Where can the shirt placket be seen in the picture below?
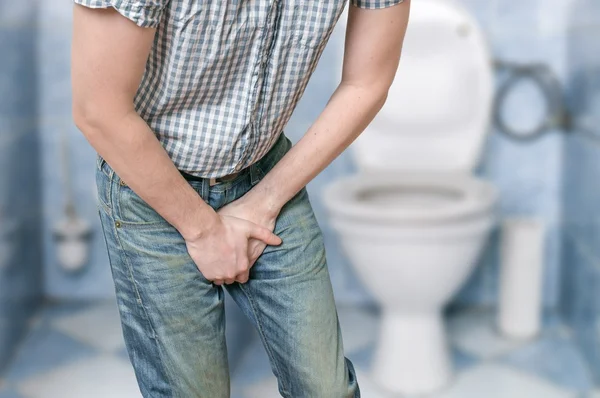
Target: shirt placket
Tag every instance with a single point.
(252, 138)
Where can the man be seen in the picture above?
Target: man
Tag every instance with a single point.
(185, 102)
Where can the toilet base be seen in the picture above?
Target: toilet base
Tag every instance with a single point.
(412, 356)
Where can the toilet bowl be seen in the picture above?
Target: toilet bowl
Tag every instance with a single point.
(414, 219)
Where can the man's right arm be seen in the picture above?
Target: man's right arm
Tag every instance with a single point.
(109, 54)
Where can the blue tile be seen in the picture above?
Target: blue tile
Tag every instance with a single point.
(18, 13)
(253, 367)
(17, 72)
(58, 15)
(363, 358)
(556, 360)
(581, 194)
(44, 349)
(581, 298)
(54, 72)
(239, 332)
(123, 353)
(11, 333)
(585, 13)
(96, 281)
(58, 309)
(571, 268)
(462, 360)
(10, 393)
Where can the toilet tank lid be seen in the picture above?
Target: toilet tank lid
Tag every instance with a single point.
(438, 109)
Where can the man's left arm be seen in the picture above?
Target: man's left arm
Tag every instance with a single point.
(372, 52)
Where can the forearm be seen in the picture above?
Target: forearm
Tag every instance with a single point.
(133, 151)
(348, 112)
(372, 52)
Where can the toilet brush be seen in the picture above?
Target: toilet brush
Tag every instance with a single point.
(72, 234)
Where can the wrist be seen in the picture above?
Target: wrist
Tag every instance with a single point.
(199, 223)
(265, 204)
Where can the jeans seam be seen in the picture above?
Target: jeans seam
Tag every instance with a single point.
(141, 303)
(264, 339)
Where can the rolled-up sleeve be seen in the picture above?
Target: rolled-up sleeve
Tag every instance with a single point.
(145, 13)
(375, 4)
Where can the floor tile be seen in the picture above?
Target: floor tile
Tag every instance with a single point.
(44, 349)
(100, 377)
(254, 366)
(81, 346)
(266, 388)
(363, 358)
(98, 326)
(475, 333)
(497, 381)
(360, 328)
(368, 388)
(462, 360)
(556, 360)
(55, 310)
(123, 354)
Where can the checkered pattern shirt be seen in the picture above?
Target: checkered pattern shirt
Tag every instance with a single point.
(224, 76)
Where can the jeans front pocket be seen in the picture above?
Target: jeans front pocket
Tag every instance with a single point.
(132, 211)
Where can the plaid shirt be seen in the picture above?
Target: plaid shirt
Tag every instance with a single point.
(224, 76)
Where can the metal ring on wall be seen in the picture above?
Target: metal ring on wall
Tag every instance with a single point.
(551, 89)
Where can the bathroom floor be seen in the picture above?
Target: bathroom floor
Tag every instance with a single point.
(76, 351)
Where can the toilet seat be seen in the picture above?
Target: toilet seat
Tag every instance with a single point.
(419, 198)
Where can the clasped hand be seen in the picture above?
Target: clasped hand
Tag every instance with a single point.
(240, 234)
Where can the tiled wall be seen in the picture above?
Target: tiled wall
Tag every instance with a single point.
(20, 257)
(581, 214)
(56, 123)
(528, 175)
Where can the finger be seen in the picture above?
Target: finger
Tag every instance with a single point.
(218, 282)
(243, 277)
(255, 250)
(229, 281)
(264, 235)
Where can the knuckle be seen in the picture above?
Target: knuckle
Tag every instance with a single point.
(230, 276)
(209, 277)
(244, 265)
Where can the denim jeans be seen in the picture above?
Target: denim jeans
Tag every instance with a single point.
(173, 318)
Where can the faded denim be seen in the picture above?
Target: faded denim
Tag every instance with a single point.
(173, 318)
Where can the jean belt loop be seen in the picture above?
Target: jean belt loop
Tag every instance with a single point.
(205, 188)
(99, 162)
(254, 174)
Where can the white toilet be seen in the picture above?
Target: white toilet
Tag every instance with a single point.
(414, 220)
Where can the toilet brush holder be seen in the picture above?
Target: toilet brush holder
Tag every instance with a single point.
(521, 270)
(72, 236)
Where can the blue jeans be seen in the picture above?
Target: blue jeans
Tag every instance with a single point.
(173, 318)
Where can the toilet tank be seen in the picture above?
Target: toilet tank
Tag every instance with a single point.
(438, 109)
